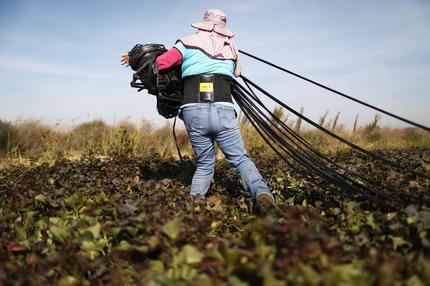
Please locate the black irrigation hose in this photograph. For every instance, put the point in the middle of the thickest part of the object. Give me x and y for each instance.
(281, 143)
(299, 140)
(368, 185)
(305, 146)
(368, 192)
(328, 132)
(296, 136)
(176, 140)
(341, 180)
(338, 92)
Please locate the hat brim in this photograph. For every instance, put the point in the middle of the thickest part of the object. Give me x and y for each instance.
(207, 26)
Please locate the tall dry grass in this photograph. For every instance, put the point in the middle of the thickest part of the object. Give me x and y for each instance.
(35, 140)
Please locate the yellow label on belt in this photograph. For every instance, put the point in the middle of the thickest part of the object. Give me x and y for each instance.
(206, 87)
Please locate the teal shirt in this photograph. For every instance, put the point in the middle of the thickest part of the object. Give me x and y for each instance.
(195, 61)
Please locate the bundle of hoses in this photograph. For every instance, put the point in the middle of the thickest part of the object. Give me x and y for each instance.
(298, 153)
(166, 86)
(303, 158)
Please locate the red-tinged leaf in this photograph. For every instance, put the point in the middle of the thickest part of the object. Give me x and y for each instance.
(13, 246)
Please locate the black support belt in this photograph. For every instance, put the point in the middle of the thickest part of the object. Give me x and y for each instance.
(207, 88)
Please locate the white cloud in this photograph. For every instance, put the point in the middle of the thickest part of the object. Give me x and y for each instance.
(38, 66)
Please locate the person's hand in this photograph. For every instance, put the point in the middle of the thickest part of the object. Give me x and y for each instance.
(125, 59)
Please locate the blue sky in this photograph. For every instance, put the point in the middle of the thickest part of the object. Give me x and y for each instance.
(59, 60)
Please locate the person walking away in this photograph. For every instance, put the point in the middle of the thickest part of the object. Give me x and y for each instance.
(209, 59)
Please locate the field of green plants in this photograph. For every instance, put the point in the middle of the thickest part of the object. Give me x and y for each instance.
(108, 205)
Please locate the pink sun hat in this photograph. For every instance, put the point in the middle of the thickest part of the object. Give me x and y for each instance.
(214, 20)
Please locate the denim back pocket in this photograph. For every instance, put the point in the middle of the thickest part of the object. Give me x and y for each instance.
(191, 117)
(227, 117)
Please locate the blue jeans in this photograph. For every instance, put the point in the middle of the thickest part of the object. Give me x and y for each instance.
(206, 122)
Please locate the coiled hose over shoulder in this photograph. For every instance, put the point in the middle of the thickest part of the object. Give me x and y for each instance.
(166, 85)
